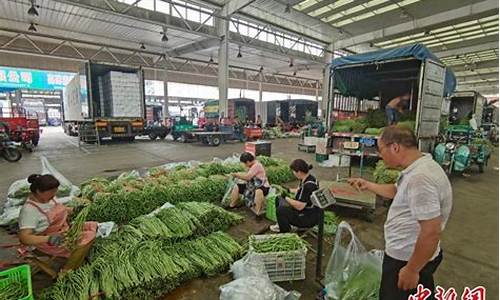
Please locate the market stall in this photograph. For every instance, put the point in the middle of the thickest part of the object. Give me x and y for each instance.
(383, 75)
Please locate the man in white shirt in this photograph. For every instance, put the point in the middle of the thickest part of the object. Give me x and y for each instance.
(417, 216)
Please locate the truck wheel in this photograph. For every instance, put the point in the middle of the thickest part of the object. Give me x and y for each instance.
(216, 141)
(175, 136)
(152, 136)
(481, 167)
(162, 136)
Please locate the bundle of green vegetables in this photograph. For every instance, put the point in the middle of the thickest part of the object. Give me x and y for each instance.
(146, 270)
(279, 174)
(376, 118)
(122, 200)
(186, 220)
(74, 233)
(123, 207)
(363, 283)
(267, 161)
(374, 131)
(330, 222)
(276, 243)
(384, 175)
(14, 290)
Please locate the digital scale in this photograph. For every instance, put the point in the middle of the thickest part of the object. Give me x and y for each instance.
(342, 194)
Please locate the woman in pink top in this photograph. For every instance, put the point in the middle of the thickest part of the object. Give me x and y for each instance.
(255, 170)
(43, 223)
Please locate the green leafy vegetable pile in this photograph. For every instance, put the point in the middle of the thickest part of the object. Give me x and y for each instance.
(276, 243)
(384, 175)
(376, 118)
(363, 283)
(279, 174)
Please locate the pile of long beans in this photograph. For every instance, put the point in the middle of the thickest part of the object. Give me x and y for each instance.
(123, 199)
(170, 225)
(13, 290)
(147, 269)
(74, 233)
(277, 243)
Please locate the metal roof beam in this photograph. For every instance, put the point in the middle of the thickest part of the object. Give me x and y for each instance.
(475, 85)
(317, 6)
(476, 66)
(296, 22)
(233, 6)
(340, 8)
(194, 46)
(465, 79)
(454, 16)
(464, 50)
(175, 23)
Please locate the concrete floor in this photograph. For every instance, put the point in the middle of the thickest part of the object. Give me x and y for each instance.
(470, 241)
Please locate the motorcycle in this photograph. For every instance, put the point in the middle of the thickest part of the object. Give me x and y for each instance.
(8, 149)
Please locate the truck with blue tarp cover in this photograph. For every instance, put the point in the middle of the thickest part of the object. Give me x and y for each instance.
(385, 74)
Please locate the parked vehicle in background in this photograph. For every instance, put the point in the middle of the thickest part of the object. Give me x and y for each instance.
(8, 149)
(105, 101)
(23, 128)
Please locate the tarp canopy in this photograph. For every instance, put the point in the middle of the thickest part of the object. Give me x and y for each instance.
(359, 83)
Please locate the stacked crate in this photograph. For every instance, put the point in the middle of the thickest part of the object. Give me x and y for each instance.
(121, 95)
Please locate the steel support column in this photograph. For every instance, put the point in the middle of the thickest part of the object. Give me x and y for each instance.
(223, 66)
(326, 77)
(165, 97)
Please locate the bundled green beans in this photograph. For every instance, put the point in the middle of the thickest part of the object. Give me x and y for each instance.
(147, 269)
(14, 290)
(276, 243)
(74, 233)
(171, 225)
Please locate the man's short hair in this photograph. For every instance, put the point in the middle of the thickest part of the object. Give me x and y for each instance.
(399, 135)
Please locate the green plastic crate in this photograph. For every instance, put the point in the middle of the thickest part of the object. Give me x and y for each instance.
(20, 273)
(321, 157)
(271, 208)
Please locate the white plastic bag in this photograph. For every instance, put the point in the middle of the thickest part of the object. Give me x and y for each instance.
(252, 282)
(19, 191)
(251, 288)
(104, 229)
(352, 272)
(249, 265)
(235, 158)
(156, 211)
(9, 215)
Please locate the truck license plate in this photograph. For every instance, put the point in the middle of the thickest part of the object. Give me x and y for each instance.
(119, 129)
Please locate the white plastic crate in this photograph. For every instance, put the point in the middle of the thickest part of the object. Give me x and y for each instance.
(282, 266)
(339, 160)
(310, 140)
